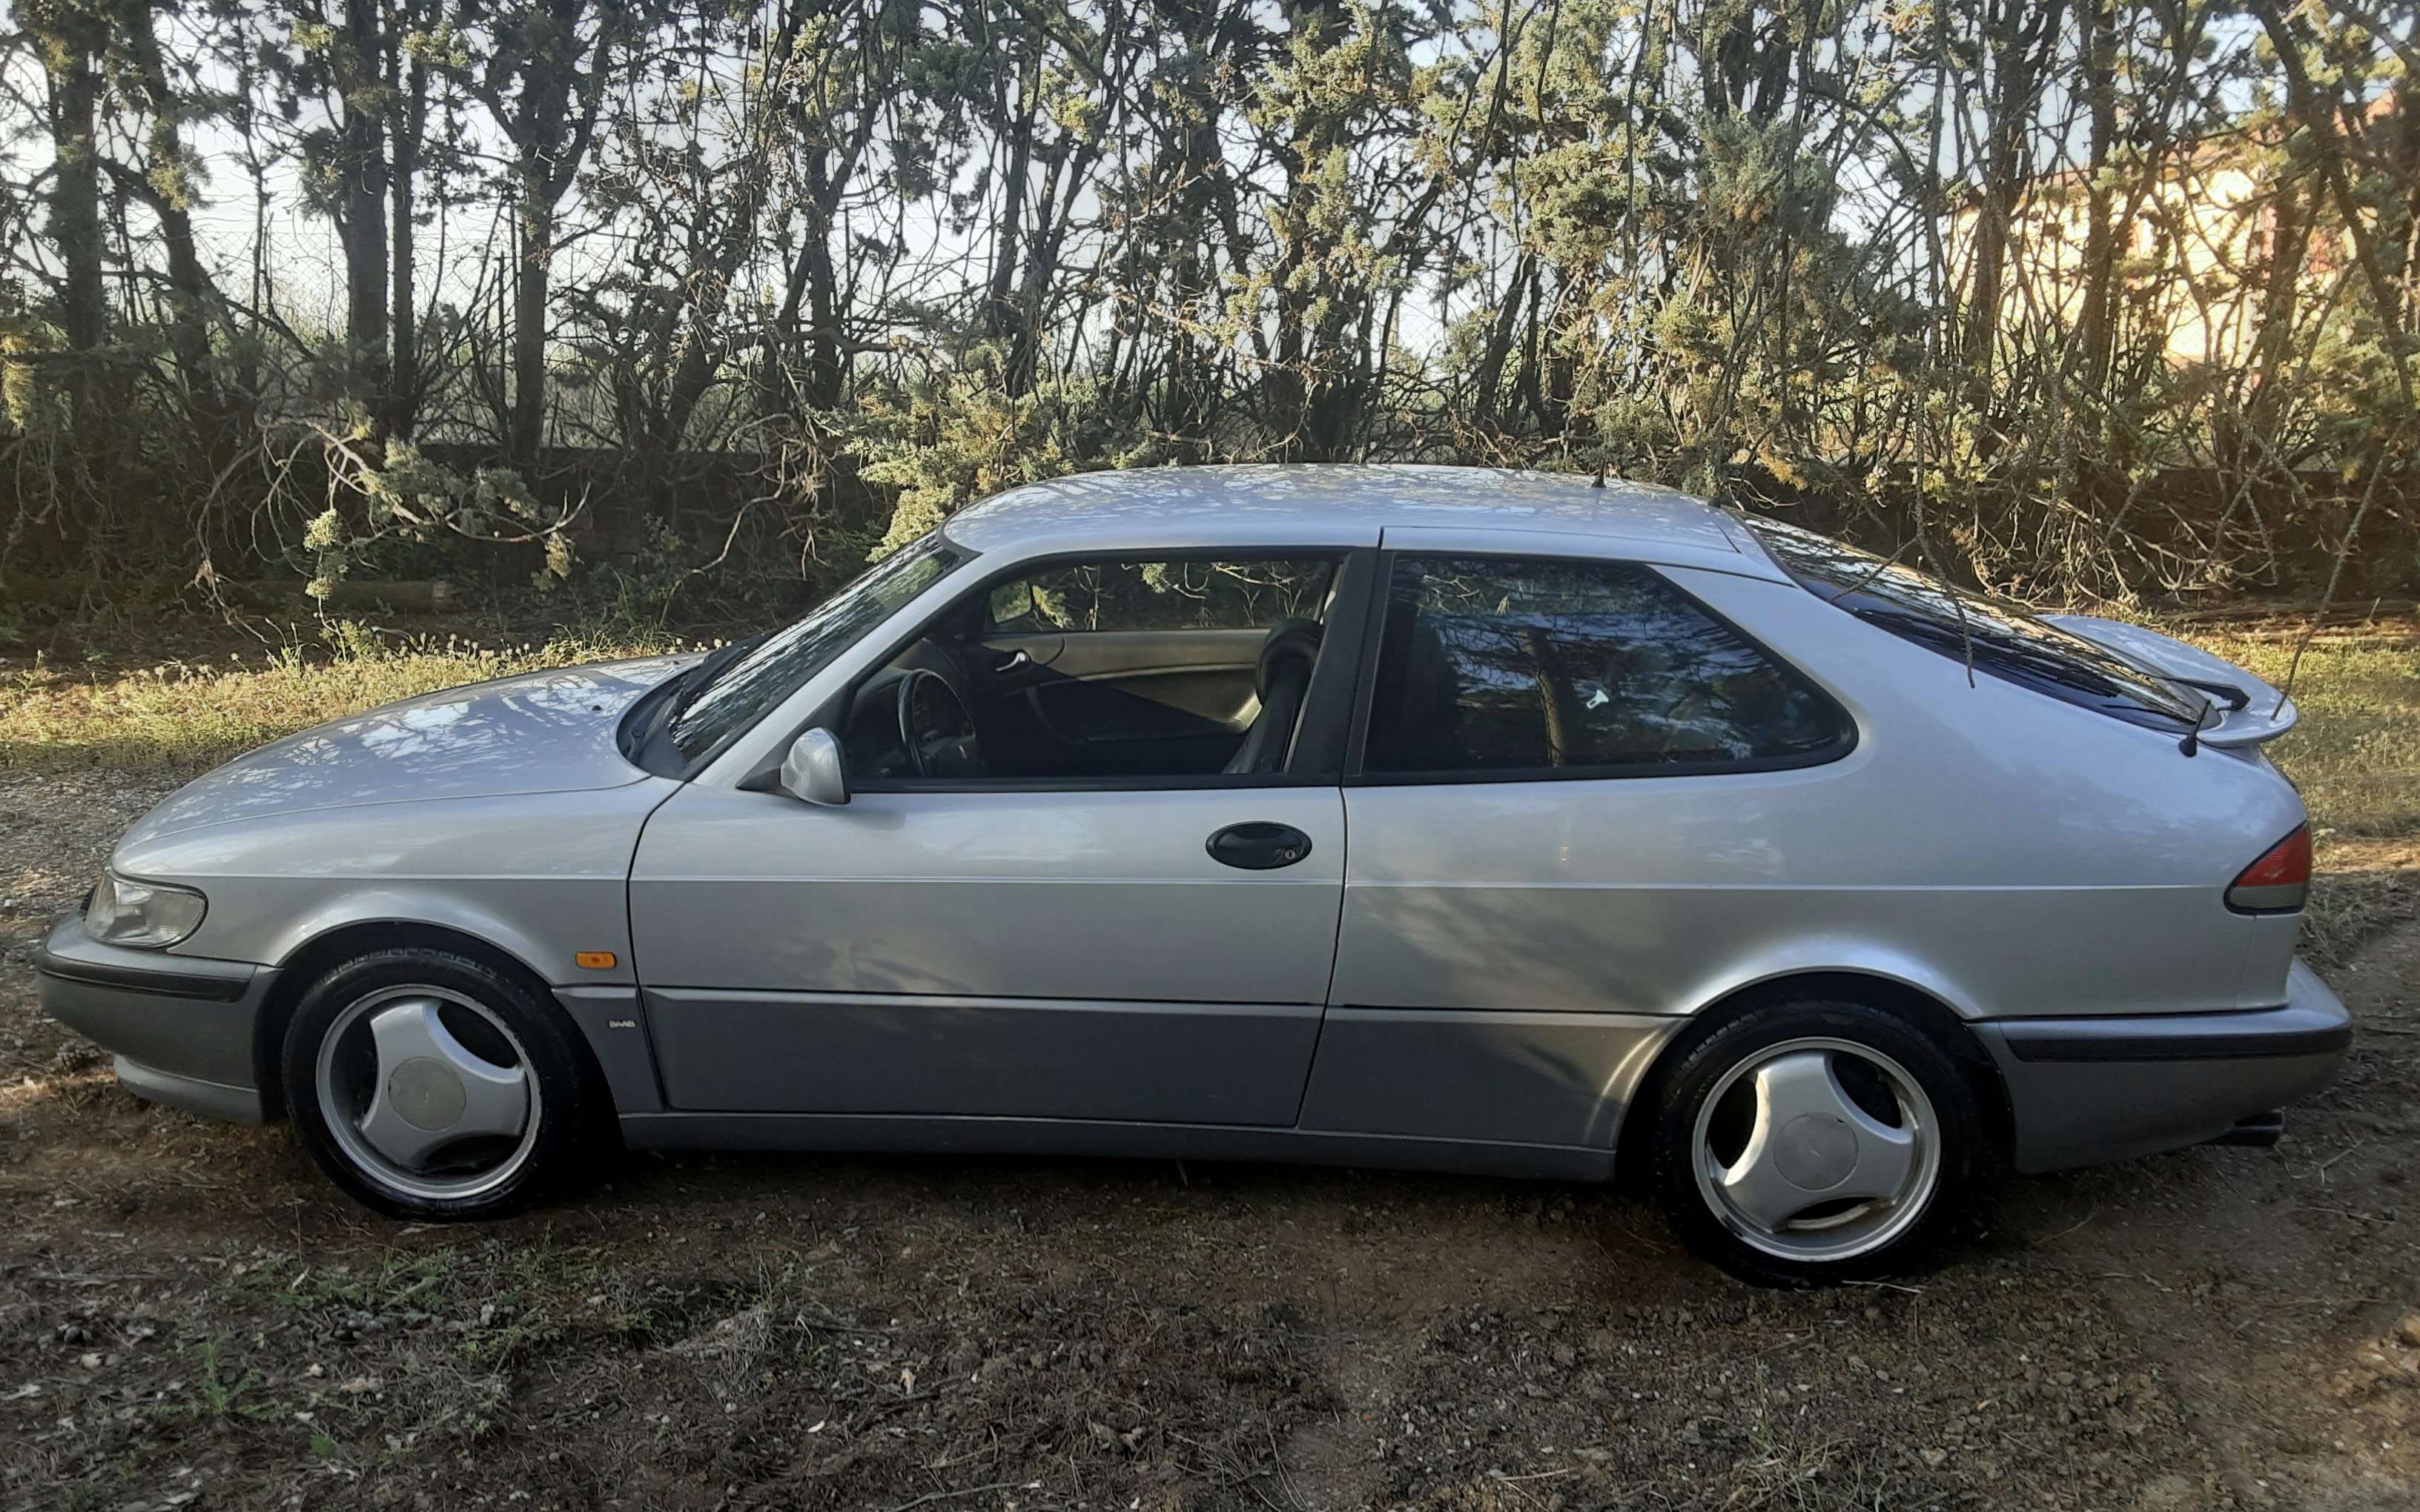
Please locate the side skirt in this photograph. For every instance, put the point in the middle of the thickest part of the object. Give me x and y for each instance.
(861, 1133)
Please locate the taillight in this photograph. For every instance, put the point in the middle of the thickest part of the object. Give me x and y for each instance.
(2279, 881)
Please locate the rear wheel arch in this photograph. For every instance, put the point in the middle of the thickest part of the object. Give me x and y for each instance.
(1922, 1010)
(322, 953)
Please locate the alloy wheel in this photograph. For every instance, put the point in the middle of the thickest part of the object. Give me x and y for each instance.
(429, 1092)
(1817, 1150)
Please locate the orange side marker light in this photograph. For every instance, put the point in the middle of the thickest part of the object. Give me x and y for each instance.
(594, 959)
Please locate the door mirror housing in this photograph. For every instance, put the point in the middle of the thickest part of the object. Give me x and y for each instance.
(814, 772)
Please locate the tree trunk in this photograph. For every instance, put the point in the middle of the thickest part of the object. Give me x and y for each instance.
(547, 99)
(74, 221)
(814, 283)
(1000, 310)
(403, 363)
(2019, 35)
(534, 217)
(1499, 338)
(2094, 337)
(1299, 398)
(192, 295)
(1187, 250)
(2287, 255)
(361, 205)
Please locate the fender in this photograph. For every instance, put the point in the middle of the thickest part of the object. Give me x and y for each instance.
(377, 903)
(544, 877)
(605, 1008)
(1832, 954)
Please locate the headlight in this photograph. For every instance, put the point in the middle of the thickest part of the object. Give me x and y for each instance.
(146, 916)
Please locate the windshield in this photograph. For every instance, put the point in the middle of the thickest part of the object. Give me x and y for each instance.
(2002, 638)
(733, 696)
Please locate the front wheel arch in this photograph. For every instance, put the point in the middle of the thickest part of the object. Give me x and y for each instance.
(1923, 1012)
(323, 954)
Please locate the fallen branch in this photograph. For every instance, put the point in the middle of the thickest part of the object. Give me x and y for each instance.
(930, 1497)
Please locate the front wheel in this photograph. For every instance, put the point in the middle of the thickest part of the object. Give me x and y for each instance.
(430, 1085)
(1812, 1142)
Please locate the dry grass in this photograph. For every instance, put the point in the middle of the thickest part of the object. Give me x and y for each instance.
(2356, 754)
(183, 715)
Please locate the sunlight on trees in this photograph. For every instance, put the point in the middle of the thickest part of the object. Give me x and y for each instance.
(2105, 297)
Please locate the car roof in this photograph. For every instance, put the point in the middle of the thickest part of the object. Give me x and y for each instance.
(1331, 503)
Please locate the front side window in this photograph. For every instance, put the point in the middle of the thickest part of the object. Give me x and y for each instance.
(1182, 593)
(1166, 670)
(725, 697)
(1512, 666)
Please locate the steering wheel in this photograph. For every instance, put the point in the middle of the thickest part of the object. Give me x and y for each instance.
(935, 728)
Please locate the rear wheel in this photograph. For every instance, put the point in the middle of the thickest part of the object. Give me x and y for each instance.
(428, 1085)
(1810, 1142)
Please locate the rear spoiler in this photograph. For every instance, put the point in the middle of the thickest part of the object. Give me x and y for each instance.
(2251, 712)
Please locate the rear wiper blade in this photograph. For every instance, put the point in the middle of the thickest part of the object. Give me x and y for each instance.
(2234, 695)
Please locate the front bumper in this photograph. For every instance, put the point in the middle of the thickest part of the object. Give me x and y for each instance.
(181, 1027)
(2091, 1089)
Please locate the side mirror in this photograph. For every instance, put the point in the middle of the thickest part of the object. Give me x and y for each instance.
(813, 772)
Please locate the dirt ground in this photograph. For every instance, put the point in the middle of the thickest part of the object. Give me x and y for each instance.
(190, 1316)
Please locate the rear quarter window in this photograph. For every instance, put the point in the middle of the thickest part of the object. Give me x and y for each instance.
(1563, 666)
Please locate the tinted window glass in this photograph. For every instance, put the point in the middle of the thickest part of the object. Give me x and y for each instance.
(732, 696)
(2003, 640)
(1185, 594)
(1492, 664)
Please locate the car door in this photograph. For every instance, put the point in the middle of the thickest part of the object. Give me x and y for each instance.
(1045, 948)
(1562, 755)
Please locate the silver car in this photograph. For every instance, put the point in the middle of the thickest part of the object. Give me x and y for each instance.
(1389, 815)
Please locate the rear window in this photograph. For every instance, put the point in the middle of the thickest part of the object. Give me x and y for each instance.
(2004, 641)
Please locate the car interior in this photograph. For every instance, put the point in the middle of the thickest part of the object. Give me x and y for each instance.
(1105, 669)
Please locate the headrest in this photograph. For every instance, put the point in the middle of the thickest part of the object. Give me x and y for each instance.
(1288, 640)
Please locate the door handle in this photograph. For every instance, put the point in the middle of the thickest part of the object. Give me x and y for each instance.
(1015, 659)
(1257, 845)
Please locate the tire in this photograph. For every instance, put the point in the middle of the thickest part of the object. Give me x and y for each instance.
(432, 1034)
(1778, 1149)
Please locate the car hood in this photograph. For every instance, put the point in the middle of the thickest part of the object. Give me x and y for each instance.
(550, 732)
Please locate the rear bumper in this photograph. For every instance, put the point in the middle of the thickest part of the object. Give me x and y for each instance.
(181, 1027)
(2092, 1090)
